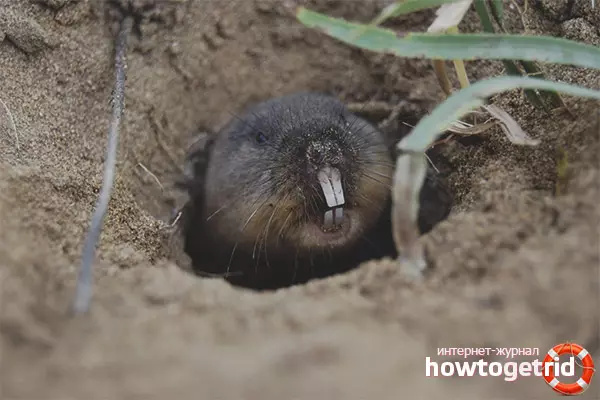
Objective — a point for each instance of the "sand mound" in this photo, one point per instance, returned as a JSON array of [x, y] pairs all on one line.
[[515, 265]]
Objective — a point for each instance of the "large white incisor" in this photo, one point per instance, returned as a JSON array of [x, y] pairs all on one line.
[[331, 184]]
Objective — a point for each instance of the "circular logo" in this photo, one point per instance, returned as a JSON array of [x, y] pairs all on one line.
[[551, 362]]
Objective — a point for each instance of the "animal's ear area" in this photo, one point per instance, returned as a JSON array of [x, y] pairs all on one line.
[[196, 162], [435, 201]]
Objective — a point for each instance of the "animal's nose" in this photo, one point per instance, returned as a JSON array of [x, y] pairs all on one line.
[[324, 153], [314, 153]]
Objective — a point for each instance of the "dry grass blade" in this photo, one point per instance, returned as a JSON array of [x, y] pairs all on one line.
[[439, 66], [463, 102], [11, 123], [459, 66], [562, 173], [510, 127], [461, 72], [464, 129], [83, 295], [447, 20], [142, 166], [404, 7], [408, 179], [449, 16]]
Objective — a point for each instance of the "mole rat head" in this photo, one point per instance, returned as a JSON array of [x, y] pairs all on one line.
[[297, 172]]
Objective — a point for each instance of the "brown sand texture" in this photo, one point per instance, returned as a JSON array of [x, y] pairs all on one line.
[[515, 265]]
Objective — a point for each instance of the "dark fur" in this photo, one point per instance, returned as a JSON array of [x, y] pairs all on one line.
[[253, 185]]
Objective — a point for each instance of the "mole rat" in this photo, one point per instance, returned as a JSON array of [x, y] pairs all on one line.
[[295, 188]]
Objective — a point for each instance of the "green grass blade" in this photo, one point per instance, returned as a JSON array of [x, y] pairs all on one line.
[[497, 10], [456, 46], [484, 16], [409, 175], [465, 100], [510, 66], [488, 26], [531, 68], [407, 7]]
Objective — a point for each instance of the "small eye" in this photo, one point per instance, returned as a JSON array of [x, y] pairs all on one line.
[[261, 138]]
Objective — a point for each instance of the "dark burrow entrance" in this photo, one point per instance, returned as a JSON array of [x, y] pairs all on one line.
[[265, 266], [269, 268]]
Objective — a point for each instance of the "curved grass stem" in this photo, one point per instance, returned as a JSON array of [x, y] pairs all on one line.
[[83, 294]]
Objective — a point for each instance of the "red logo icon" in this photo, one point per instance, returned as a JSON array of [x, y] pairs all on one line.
[[551, 362]]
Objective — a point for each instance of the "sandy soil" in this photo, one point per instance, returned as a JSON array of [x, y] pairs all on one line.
[[515, 265]]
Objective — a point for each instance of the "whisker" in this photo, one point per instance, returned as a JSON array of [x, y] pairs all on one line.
[[267, 235], [377, 180], [218, 211], [356, 116], [251, 216], [365, 198], [244, 228], [380, 174], [258, 236], [378, 163], [235, 199], [225, 275], [373, 157], [231, 257], [283, 226]]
